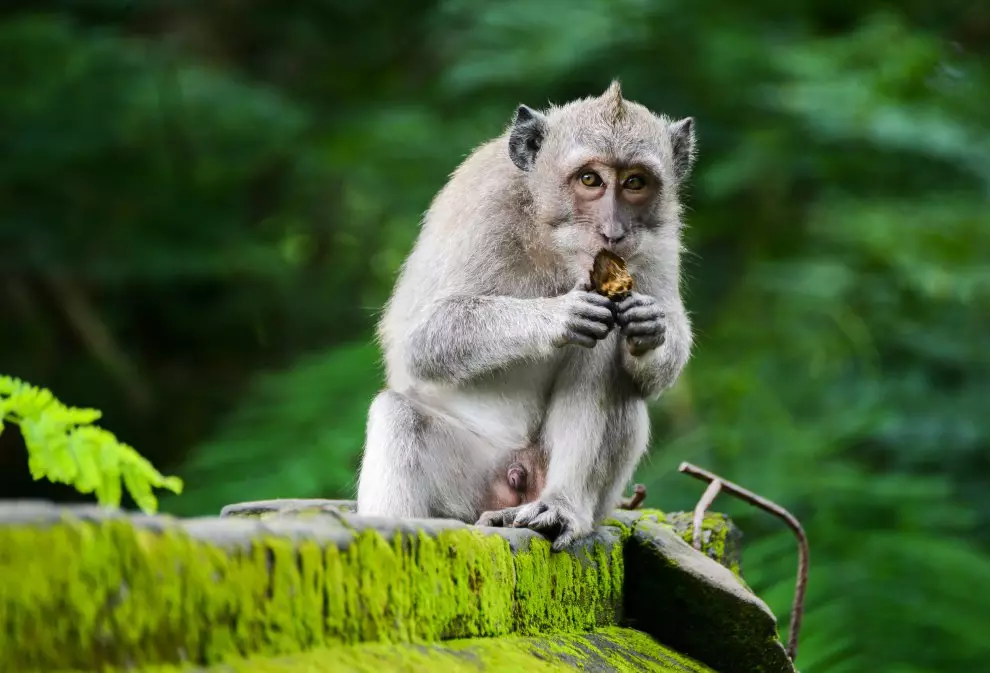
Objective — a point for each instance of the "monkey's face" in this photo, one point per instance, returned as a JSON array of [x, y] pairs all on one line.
[[603, 173], [610, 205], [595, 198]]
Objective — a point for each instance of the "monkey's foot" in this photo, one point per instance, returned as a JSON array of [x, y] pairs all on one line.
[[499, 518], [553, 519]]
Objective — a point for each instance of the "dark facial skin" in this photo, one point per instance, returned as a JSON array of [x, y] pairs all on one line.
[[614, 198]]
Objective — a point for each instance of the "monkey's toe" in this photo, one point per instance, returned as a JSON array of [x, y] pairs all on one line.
[[563, 540], [499, 518], [491, 519], [552, 525], [527, 513], [549, 519], [553, 520]]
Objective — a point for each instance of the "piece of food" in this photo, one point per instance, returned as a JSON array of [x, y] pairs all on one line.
[[610, 277]]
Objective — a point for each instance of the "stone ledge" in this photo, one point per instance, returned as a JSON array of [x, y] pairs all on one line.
[[696, 606], [720, 538], [83, 588], [89, 589]]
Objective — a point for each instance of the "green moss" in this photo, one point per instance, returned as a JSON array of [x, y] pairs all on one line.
[[608, 649], [92, 594], [720, 538]]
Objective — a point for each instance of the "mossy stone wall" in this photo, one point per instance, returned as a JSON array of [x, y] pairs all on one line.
[[85, 589]]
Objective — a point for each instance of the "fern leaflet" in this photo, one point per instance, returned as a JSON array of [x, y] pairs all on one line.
[[65, 447]]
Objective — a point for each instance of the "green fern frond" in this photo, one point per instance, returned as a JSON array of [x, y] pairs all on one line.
[[65, 447]]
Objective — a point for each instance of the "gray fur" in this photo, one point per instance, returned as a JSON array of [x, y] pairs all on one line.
[[493, 342]]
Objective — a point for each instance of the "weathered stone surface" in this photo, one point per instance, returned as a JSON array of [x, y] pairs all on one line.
[[697, 606], [101, 589], [721, 539], [332, 511], [86, 588]]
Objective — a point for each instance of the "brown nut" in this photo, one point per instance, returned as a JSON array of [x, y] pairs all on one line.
[[610, 277]]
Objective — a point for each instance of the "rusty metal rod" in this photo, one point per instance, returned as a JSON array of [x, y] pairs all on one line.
[[707, 498], [634, 501], [717, 484]]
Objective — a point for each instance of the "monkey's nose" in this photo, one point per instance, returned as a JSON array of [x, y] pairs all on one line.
[[614, 239]]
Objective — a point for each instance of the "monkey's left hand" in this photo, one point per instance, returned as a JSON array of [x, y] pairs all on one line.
[[642, 322]]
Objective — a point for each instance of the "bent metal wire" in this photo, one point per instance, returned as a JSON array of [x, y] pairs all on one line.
[[716, 485]]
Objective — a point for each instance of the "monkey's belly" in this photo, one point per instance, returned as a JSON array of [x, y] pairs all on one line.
[[503, 415]]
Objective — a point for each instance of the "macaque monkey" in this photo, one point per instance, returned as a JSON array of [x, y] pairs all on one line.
[[495, 343]]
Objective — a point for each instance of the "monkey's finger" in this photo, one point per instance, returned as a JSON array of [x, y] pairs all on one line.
[[595, 312], [639, 345], [641, 314], [592, 328], [596, 300], [645, 328], [600, 300], [490, 519], [633, 300], [647, 341]]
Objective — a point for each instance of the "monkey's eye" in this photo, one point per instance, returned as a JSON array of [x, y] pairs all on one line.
[[634, 183], [591, 179]]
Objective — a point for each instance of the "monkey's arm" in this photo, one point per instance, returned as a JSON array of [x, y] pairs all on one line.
[[465, 337], [657, 339]]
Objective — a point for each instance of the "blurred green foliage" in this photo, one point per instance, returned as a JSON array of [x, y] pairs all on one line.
[[204, 206]]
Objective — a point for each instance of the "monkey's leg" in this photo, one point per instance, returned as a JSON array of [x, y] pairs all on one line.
[[417, 465], [520, 482], [595, 432]]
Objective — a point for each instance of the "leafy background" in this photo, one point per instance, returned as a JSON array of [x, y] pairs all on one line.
[[203, 207]]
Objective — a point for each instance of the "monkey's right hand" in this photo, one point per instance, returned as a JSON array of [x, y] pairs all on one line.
[[584, 317]]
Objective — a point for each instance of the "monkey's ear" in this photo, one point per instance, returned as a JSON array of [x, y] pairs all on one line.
[[682, 139], [528, 131]]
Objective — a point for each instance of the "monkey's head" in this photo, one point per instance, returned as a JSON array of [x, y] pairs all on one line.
[[603, 172]]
